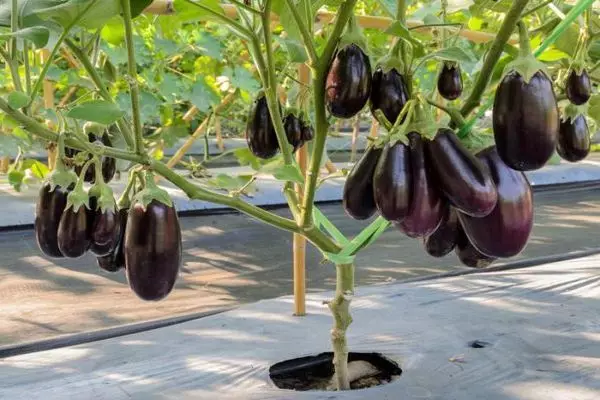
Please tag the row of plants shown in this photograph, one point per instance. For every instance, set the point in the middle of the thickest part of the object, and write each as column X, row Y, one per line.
column 429, row 174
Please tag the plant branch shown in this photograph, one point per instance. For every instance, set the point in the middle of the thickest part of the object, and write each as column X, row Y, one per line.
column 536, row 8
column 241, row 4
column 307, row 37
column 234, row 25
column 454, row 113
column 14, row 27
column 14, row 69
column 483, row 79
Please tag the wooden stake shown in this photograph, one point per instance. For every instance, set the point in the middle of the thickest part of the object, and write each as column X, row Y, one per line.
column 160, row 7
column 48, row 92
column 4, row 165
column 219, row 135
column 374, row 128
column 355, row 132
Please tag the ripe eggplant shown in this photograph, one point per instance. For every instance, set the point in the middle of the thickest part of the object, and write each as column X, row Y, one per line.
column 389, row 93
column 358, row 197
column 574, row 139
column 115, row 259
column 348, row 83
column 260, row 132
column 392, row 182
column 108, row 164
column 443, row 240
column 48, row 211
column 468, row 254
column 449, row 84
column 153, row 249
column 526, row 121
column 307, row 132
column 105, row 232
column 503, row 232
column 73, row 232
column 579, row 87
column 427, row 206
column 461, row 176
column 293, row 131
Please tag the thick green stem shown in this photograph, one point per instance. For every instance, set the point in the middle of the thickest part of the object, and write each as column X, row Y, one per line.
column 524, row 45
column 26, row 54
column 133, row 81
column 340, row 309
column 321, row 123
column 14, row 27
column 485, row 75
column 14, row 69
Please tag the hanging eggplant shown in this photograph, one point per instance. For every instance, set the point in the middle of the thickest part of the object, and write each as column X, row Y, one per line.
column 449, row 84
column 358, row 197
column 468, row 254
column 574, row 139
column 293, row 130
column 443, row 240
column 389, row 93
column 579, row 87
column 49, row 208
column 260, row 132
column 392, row 182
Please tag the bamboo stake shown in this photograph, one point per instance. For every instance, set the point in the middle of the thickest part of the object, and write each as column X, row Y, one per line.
column 330, row 167
column 219, row 135
column 4, row 165
column 355, row 132
column 374, row 128
column 299, row 250
column 48, row 93
column 160, row 7
column 63, row 102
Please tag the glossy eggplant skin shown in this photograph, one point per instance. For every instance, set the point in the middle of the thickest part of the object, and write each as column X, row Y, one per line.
column 468, row 254
column 392, row 182
column 461, row 176
column 115, row 259
column 389, row 93
column 573, row 139
column 153, row 249
column 427, row 206
column 293, row 131
column 503, row 232
column 73, row 232
column 260, row 132
column 105, row 232
column 450, row 84
column 579, row 87
column 48, row 211
column 526, row 121
column 108, row 164
column 358, row 197
column 443, row 240
column 348, row 82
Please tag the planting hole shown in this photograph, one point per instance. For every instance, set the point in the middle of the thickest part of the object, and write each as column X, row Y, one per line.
column 479, row 344
column 316, row 372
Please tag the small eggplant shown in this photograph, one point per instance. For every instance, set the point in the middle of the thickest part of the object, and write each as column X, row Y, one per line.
column 293, row 131
column 153, row 250
column 574, row 139
column 526, row 121
column 115, row 259
column 260, row 132
column 392, row 182
column 108, row 164
column 358, row 197
column 48, row 211
column 468, row 254
column 503, row 232
column 307, row 132
column 389, row 93
column 443, row 240
column 579, row 87
column 449, row 84
column 461, row 176
column 348, row 82
column 427, row 206
column 105, row 232
column 73, row 232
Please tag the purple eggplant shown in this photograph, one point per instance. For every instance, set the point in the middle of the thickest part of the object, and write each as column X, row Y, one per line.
column 443, row 240
column 48, row 211
column 579, row 87
column 449, row 84
column 468, row 254
column 574, row 139
column 115, row 260
column 358, row 198
column 73, row 232
column 392, row 182
column 526, row 121
column 389, row 93
column 293, row 131
column 461, row 176
column 426, row 206
column 503, row 232
column 260, row 132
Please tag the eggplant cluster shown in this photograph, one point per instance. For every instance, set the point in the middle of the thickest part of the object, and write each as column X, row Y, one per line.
column 109, row 164
column 438, row 191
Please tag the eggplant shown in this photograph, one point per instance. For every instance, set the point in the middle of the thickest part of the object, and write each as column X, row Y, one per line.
column 348, row 82
column 108, row 164
column 293, row 130
column 153, row 250
column 443, row 240
column 260, row 132
column 73, row 232
column 115, row 259
column 503, row 232
column 392, row 182
column 105, row 232
column 427, row 206
column 358, row 197
column 450, row 84
column 468, row 254
column 574, row 139
column 48, row 211
column 579, row 87
column 389, row 93
column 526, row 121
column 461, row 176
column 307, row 132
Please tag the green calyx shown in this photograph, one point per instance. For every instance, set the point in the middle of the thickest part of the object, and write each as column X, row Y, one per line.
column 78, row 198
column 526, row 67
column 353, row 35
column 292, row 111
column 390, row 62
column 94, row 128
column 62, row 176
column 423, row 121
column 572, row 111
column 578, row 66
column 105, row 198
column 151, row 192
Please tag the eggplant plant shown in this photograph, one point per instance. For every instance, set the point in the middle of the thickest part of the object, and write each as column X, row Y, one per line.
column 421, row 175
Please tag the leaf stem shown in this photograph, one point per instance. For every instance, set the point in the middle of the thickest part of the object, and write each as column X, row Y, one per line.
column 14, row 69
column 241, row 4
column 234, row 25
column 524, row 45
column 14, row 27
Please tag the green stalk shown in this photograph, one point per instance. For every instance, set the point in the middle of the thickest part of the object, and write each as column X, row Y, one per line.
column 537, row 8
column 234, row 25
column 14, row 69
column 321, row 123
column 14, row 27
column 134, row 88
column 26, row 53
column 340, row 309
column 524, row 45
column 483, row 79
column 307, row 37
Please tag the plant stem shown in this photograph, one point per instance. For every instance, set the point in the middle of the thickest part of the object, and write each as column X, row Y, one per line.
column 524, row 46
column 454, row 113
column 321, row 123
column 307, row 37
column 340, row 309
column 14, row 27
column 133, row 81
column 536, row 8
column 235, row 26
column 26, row 53
column 485, row 75
column 14, row 69
column 241, row 4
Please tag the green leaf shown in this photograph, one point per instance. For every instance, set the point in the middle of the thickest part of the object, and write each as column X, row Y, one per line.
column 550, row 55
column 389, row 6
column 242, row 79
column 399, row 30
column 245, row 157
column 100, row 111
column 15, row 179
column 18, row 99
column 38, row 169
column 203, row 96
column 38, row 35
column 137, row 6
column 594, row 108
column 231, row 183
column 114, row 31
column 453, row 53
column 295, row 51
column 289, row 173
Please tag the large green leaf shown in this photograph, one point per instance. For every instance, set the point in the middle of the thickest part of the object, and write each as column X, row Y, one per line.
column 38, row 35
column 18, row 99
column 203, row 96
column 99, row 111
